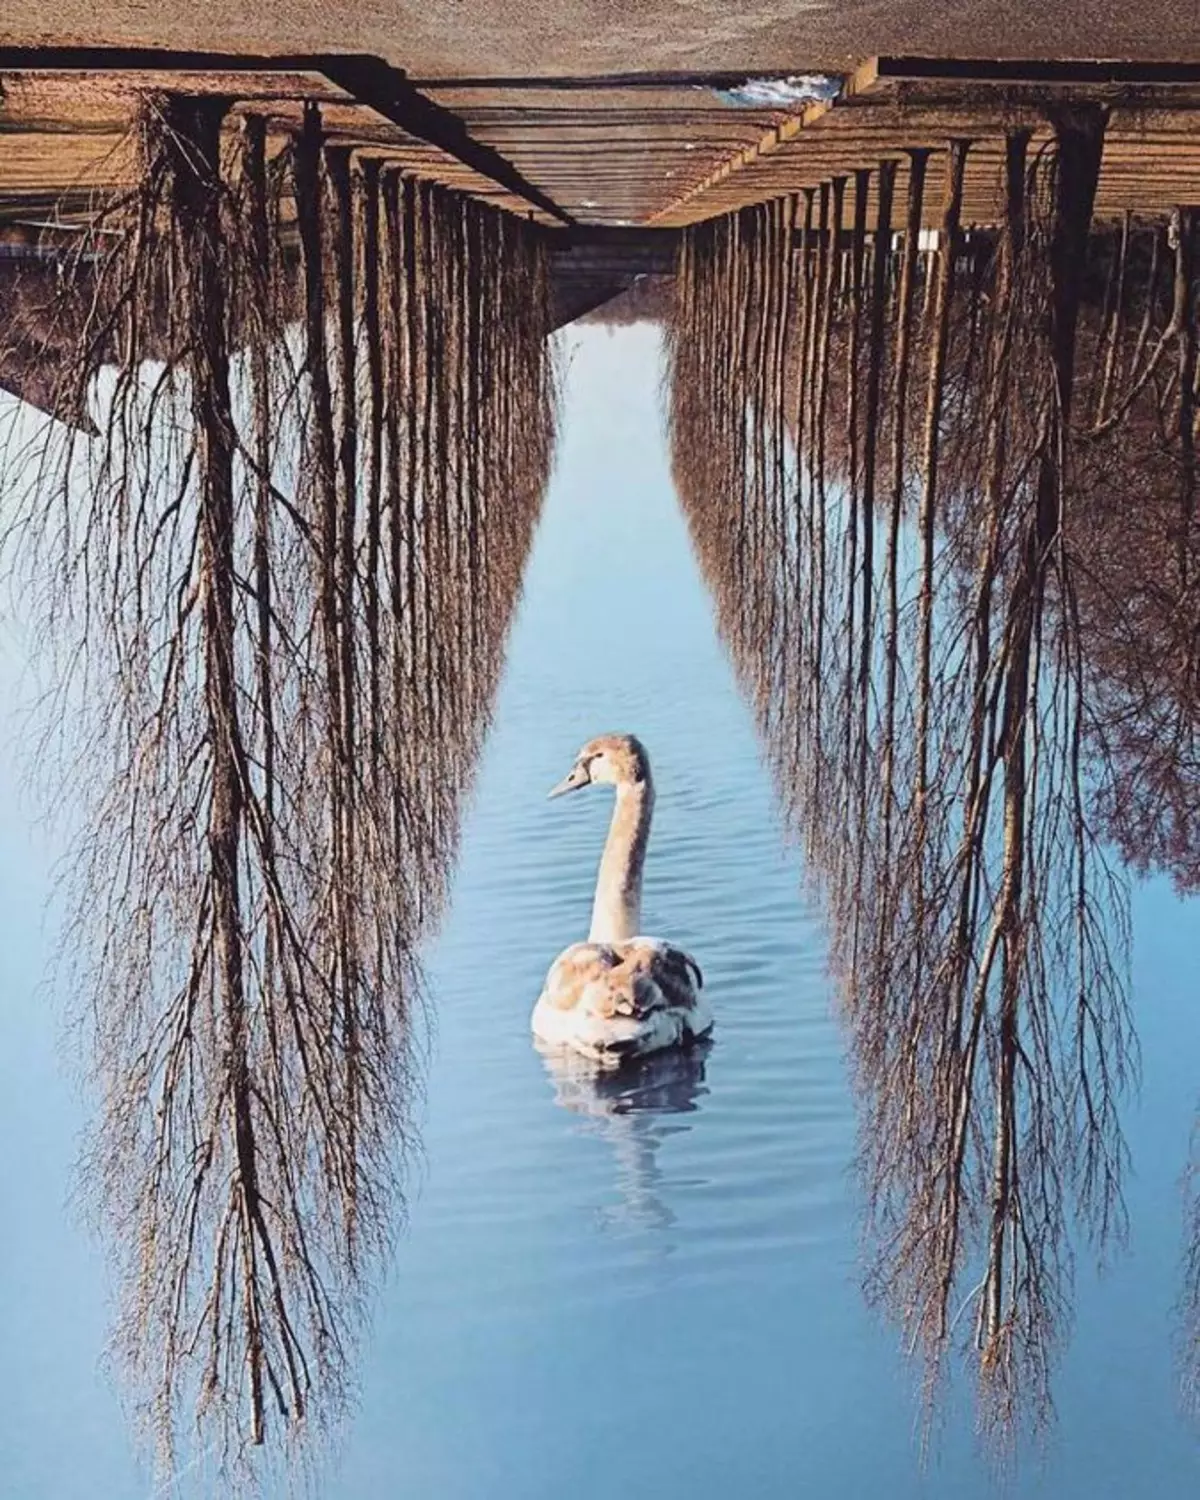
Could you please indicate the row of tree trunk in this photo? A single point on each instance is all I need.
(279, 580)
(892, 490)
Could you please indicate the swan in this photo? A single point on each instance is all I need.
(620, 995)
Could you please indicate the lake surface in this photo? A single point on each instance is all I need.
(647, 1286)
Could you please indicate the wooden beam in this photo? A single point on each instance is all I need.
(1082, 74)
(369, 80)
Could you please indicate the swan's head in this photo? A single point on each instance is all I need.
(612, 759)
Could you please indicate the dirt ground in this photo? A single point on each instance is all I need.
(629, 139)
(490, 38)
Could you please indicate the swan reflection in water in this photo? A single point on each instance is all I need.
(631, 1107)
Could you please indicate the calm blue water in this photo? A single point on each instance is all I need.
(654, 1292)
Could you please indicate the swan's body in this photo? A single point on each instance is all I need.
(614, 1000)
(620, 995)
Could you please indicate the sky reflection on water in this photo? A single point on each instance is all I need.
(660, 1299)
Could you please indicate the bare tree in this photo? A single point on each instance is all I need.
(977, 933)
(277, 581)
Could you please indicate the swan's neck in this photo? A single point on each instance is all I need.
(617, 911)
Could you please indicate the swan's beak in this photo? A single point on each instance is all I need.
(571, 783)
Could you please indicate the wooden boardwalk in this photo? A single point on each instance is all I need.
(614, 164)
(620, 152)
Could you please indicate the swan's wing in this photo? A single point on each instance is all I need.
(674, 974)
(577, 967)
(632, 979)
(674, 957)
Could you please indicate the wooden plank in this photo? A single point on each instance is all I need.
(782, 130)
(369, 80)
